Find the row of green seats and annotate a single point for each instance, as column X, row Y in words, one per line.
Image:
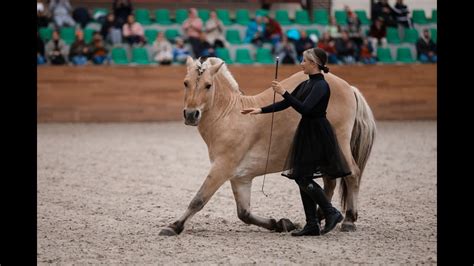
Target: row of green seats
column 410, row 35
column 403, row 55
column 242, row 56
column 139, row 56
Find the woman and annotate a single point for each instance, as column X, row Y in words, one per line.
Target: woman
column 314, row 151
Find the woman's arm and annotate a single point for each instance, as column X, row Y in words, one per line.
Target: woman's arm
column 308, row 104
column 281, row 105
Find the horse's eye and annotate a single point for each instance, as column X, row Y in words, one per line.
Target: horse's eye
column 185, row 84
column 208, row 86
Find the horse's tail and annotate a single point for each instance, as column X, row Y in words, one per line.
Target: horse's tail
column 362, row 139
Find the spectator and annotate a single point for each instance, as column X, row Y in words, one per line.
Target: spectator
column 333, row 28
column 111, row 30
column 81, row 16
column 99, row 52
column 133, row 31
column 40, row 59
column 61, row 10
column 378, row 34
column 426, row 48
column 79, row 52
column 163, row 52
column 215, row 31
column 286, row 51
column 180, row 52
column 56, row 50
column 353, row 26
column 366, row 52
column 192, row 28
column 327, row 43
column 42, row 14
column 255, row 31
column 401, row 12
column 273, row 31
column 205, row 49
column 346, row 48
column 122, row 9
column 382, row 9
column 304, row 43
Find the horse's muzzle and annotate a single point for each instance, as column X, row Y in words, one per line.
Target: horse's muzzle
column 191, row 117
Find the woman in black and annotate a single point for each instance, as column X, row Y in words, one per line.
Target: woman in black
column 314, row 151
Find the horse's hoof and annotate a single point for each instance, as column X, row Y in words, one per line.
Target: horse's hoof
column 285, row 225
column 348, row 227
column 167, row 231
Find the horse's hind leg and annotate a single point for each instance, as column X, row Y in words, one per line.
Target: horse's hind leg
column 242, row 189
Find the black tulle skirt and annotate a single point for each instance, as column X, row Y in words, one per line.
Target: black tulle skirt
column 315, row 149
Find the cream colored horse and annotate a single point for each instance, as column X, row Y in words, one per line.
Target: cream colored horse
column 238, row 143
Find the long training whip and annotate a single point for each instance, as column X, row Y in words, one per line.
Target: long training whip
column 271, row 128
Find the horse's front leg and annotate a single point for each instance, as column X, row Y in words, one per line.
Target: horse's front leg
column 242, row 189
column 214, row 180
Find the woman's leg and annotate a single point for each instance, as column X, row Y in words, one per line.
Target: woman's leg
column 312, row 226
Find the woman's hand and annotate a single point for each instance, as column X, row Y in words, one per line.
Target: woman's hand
column 276, row 86
column 252, row 111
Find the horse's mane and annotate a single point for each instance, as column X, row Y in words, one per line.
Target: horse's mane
column 224, row 71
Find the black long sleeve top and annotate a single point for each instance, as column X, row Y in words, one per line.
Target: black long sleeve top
column 310, row 98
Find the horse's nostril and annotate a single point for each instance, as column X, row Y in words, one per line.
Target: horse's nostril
column 196, row 114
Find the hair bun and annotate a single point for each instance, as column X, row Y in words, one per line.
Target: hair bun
column 325, row 69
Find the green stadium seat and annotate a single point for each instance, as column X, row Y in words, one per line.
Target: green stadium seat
column 261, row 12
column 411, row 36
column 264, row 56
column 233, row 36
column 302, row 17
column 150, row 35
column 362, row 15
column 142, row 16
column 171, row 34
column 392, row 35
column 140, row 56
column 224, row 16
column 281, row 15
column 46, row 34
column 321, row 17
column 68, row 34
column 203, row 14
column 88, row 34
column 242, row 56
column 119, row 56
column 434, row 35
column 419, row 17
column 162, row 17
column 242, row 17
column 341, row 17
column 404, row 55
column 99, row 10
column 384, row 55
column 434, row 16
column 181, row 15
column 224, row 54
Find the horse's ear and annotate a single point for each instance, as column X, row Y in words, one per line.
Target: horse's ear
column 216, row 68
column 189, row 62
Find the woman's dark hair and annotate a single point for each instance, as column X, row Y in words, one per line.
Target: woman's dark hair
column 323, row 58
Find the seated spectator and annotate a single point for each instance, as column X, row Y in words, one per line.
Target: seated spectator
column 99, row 53
column 353, row 26
column 333, row 28
column 79, row 52
column 205, row 49
column 255, row 31
column 133, row 31
column 426, row 49
column 192, row 29
column 273, row 30
column 122, row 9
column 42, row 14
column 400, row 11
column 56, row 50
column 81, row 16
column 61, row 10
column 286, row 51
column 366, row 52
column 378, row 34
column 215, row 31
column 303, row 44
column 40, row 59
column 111, row 30
column 163, row 52
column 346, row 49
column 180, row 52
column 327, row 43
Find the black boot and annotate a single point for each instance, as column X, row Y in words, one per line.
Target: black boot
column 332, row 215
column 312, row 227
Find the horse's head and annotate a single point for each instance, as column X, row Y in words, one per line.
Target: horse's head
column 198, row 89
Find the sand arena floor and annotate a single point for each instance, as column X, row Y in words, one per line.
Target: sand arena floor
column 105, row 190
